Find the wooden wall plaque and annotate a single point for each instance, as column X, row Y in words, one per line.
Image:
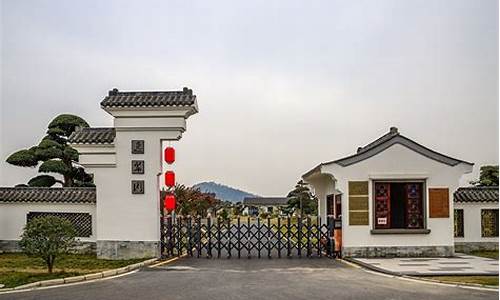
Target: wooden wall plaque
column 358, row 203
column 439, row 203
column 358, row 217
column 358, row 188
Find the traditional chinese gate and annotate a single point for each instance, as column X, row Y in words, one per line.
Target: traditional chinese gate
column 278, row 237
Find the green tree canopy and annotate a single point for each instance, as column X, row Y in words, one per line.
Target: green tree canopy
column 42, row 180
column 301, row 199
column 191, row 201
column 47, row 237
column 55, row 155
column 488, row 176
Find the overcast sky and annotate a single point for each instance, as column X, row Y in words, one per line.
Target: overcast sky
column 281, row 85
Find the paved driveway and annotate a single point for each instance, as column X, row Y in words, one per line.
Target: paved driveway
column 460, row 264
column 254, row 279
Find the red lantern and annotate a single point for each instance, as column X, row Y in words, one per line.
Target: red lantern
column 169, row 155
column 169, row 202
column 169, row 178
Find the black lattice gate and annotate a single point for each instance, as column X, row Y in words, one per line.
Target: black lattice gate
column 278, row 237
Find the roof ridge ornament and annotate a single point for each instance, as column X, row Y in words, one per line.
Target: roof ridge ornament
column 113, row 92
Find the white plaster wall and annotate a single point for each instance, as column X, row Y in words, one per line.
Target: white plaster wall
column 396, row 162
column 472, row 221
column 96, row 154
column 97, row 159
column 167, row 122
column 121, row 215
column 13, row 217
column 322, row 186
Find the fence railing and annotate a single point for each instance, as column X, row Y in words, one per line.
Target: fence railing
column 277, row 237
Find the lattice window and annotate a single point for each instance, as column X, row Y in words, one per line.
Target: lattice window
column 81, row 221
column 459, row 222
column 489, row 222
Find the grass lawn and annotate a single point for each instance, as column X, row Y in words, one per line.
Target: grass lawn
column 487, row 254
column 18, row 269
column 486, row 280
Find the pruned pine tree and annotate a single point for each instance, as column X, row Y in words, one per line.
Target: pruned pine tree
column 55, row 155
column 302, row 200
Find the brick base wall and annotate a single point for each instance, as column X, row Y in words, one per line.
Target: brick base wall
column 400, row 251
column 80, row 248
column 468, row 247
column 127, row 249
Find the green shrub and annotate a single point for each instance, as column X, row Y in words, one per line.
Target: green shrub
column 48, row 237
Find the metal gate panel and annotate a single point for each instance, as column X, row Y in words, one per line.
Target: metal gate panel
column 278, row 237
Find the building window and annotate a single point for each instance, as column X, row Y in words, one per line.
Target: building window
column 81, row 221
column 398, row 205
column 329, row 205
column 459, row 222
column 489, row 222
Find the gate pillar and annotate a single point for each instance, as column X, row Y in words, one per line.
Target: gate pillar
column 126, row 167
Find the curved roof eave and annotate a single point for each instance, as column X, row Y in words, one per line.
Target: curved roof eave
column 402, row 140
column 381, row 144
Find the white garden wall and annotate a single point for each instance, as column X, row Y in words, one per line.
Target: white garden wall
column 472, row 222
column 13, row 217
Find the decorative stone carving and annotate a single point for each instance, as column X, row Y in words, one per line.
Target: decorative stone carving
column 137, row 146
column 137, row 167
column 137, row 186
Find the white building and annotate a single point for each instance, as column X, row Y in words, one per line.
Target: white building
column 126, row 162
column 254, row 206
column 476, row 219
column 394, row 198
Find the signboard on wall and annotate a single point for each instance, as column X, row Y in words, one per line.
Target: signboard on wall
column 358, row 203
column 439, row 203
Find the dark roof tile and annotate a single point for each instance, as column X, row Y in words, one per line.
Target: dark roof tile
column 51, row 195
column 476, row 194
column 116, row 98
column 103, row 135
column 265, row 201
column 384, row 142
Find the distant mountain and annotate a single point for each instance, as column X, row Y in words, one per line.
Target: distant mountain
column 223, row 192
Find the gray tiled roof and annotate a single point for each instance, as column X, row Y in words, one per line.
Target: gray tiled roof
column 476, row 194
column 50, row 195
column 265, row 201
column 387, row 140
column 393, row 131
column 116, row 98
column 103, row 135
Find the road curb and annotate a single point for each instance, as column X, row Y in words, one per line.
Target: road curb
column 459, row 284
column 81, row 278
column 363, row 265
column 371, row 267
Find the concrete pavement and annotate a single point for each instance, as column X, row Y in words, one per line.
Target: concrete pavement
column 294, row 278
column 461, row 264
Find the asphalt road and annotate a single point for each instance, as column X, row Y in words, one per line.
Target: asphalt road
column 246, row 279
